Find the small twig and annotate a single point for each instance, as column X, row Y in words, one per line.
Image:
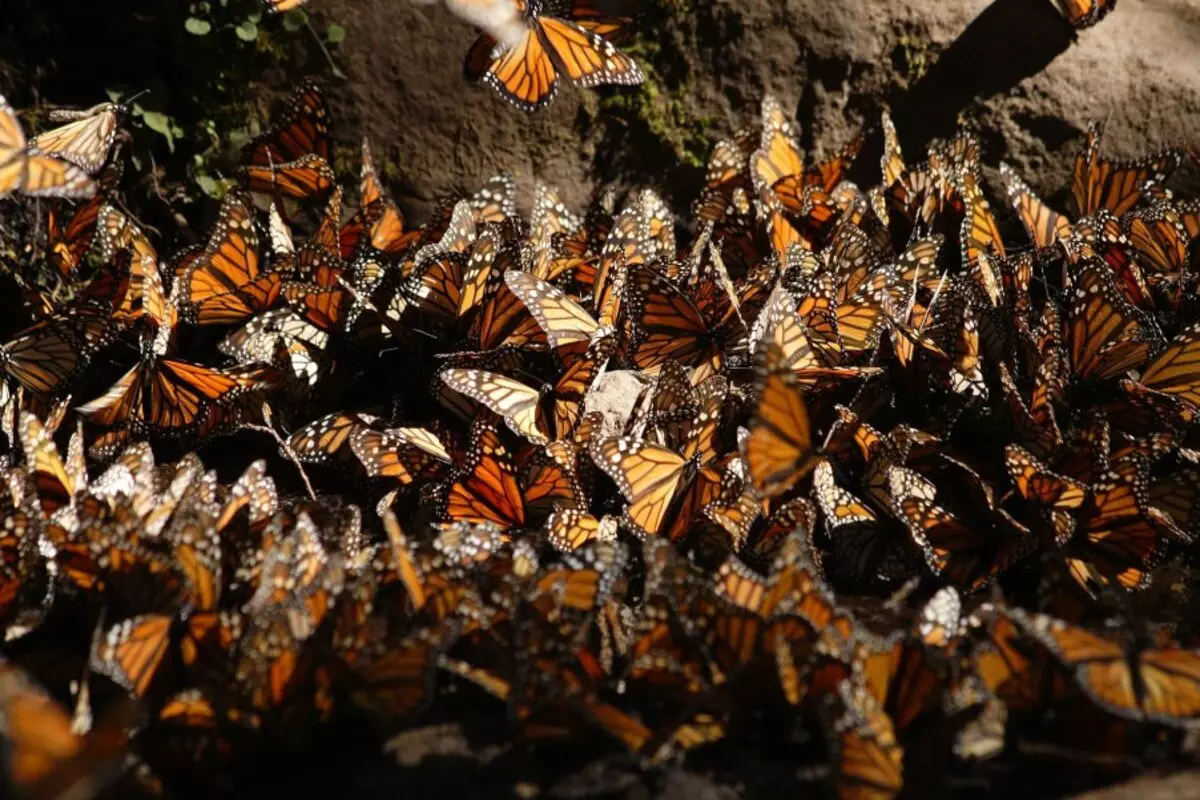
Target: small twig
column 284, row 447
column 337, row 73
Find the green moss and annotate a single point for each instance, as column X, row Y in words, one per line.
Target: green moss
column 666, row 117
column 912, row 58
column 660, row 105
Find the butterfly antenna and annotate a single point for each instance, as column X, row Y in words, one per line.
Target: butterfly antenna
column 127, row 100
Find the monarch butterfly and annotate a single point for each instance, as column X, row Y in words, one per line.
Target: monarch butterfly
column 1036, row 482
column 912, row 191
column 779, row 451
column 175, row 397
column 1160, row 237
column 978, row 234
column 526, row 74
column 1118, row 536
column 253, row 491
column 54, row 482
column 1176, row 495
column 495, row 202
column 485, row 488
column 539, row 417
column 224, row 284
column 116, row 231
column 1085, row 13
column 301, row 130
column 378, row 215
column 735, row 620
column 504, row 321
column 281, row 338
column 1006, row 667
column 18, row 550
column 69, row 244
column 1175, row 371
column 860, row 546
column 641, row 234
column 299, row 579
column 727, row 185
column 577, row 253
column 891, row 163
column 735, row 510
column 582, row 583
column 781, row 327
column 136, row 652
column 1154, row 684
column 667, row 324
column 47, row 355
column 665, row 489
column 405, row 454
column 778, row 164
column 44, row 756
column 436, row 286
column 86, row 139
column 1101, row 236
column 27, row 170
column 797, row 514
column 281, row 6
column 307, row 176
column 1105, row 335
column 399, row 682
column 938, row 622
column 550, row 223
column 569, row 529
column 966, row 376
column 569, row 328
column 672, row 407
column 320, row 441
column 870, row 762
column 1045, row 227
column 1115, row 186
column 968, row 554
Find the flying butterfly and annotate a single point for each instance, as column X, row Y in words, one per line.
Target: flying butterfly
column 527, row 74
column 87, row 138
column 27, row 170
column 1085, row 13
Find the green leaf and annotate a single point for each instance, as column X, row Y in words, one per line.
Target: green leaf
column 196, row 26
column 335, row 34
column 161, row 124
column 247, row 31
column 209, row 185
column 294, row 20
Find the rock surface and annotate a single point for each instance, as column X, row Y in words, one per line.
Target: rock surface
column 1013, row 65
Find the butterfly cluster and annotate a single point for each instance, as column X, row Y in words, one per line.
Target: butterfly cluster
column 890, row 477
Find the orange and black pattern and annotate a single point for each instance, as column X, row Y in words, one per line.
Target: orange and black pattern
column 882, row 474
